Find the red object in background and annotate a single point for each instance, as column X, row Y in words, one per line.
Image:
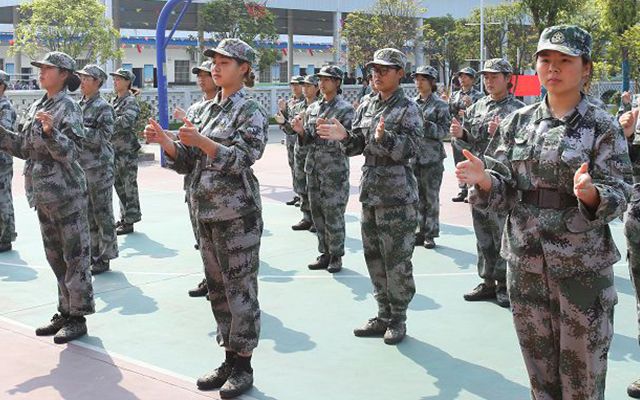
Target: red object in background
column 139, row 48
column 284, row 52
column 525, row 85
column 11, row 42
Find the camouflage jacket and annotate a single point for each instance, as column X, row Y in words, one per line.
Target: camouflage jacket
column 533, row 150
column 325, row 156
column 437, row 120
column 7, row 121
column 456, row 103
column 224, row 187
column 195, row 114
column 289, row 113
column 98, row 117
column 387, row 175
column 596, row 101
column 52, row 173
column 476, row 122
column 125, row 140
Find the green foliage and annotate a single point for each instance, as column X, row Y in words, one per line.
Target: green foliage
column 546, row 13
column 78, row 28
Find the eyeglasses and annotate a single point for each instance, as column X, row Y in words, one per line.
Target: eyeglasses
column 381, row 70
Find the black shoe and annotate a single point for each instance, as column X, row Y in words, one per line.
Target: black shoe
column 481, row 292
column 196, row 246
column 460, row 197
column 303, row 225
column 502, row 297
column 395, row 332
column 375, row 327
column 216, row 378
column 73, row 328
column 293, row 201
column 419, row 239
column 238, row 382
column 124, row 229
column 633, row 390
column 57, row 322
column 313, row 229
column 322, row 262
column 335, row 264
column 118, row 223
column 201, row 290
column 429, row 243
column 99, row 267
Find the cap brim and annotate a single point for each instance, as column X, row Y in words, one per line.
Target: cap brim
column 327, row 75
column 213, row 52
column 562, row 49
column 383, row 63
column 196, row 70
column 493, row 71
column 121, row 76
column 39, row 64
column 413, row 75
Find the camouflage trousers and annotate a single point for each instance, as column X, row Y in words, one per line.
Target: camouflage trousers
column 65, row 234
column 102, row 225
column 565, row 327
column 300, row 179
column 488, row 227
column 328, row 196
column 632, row 233
column 230, row 252
column 388, row 235
column 291, row 161
column 7, row 217
column 126, row 184
column 458, row 157
column 429, row 181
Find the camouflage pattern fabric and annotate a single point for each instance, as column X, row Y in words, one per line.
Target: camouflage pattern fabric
column 632, row 233
column 331, row 71
column 388, row 57
column 234, row 48
column 560, row 278
column 327, row 170
column 124, row 73
column 300, row 151
column 456, row 103
column 126, row 145
column 429, row 166
column 56, row 186
column 568, row 39
column 596, row 101
column 426, row 70
column 497, row 65
column 7, row 216
column 290, row 135
column 97, row 160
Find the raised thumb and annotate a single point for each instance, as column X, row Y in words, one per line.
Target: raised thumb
column 187, row 122
column 469, row 155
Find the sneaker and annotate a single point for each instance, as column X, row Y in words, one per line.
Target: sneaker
column 73, row 328
column 375, row 327
column 633, row 390
column 5, row 247
column 419, row 239
column 460, row 197
column 429, row 243
column 335, row 264
column 502, row 297
column 293, row 201
column 201, row 290
column 481, row 292
column 238, row 382
column 395, row 332
column 57, row 321
column 99, row 267
column 303, row 225
column 322, row 262
column 124, row 229
column 216, row 378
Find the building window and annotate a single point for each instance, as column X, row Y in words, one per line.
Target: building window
column 265, row 75
column 181, row 71
column 128, row 67
column 148, row 75
column 284, row 73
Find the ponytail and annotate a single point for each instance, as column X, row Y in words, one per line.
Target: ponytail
column 249, row 77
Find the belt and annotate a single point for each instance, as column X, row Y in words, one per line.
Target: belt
column 379, row 161
column 548, row 198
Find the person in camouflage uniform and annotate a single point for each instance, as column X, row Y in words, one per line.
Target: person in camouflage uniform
column 327, row 168
column 429, row 166
column 558, row 168
column 458, row 103
column 50, row 140
column 283, row 118
column 226, row 196
column 301, row 149
column 126, row 145
column 96, row 160
column 7, row 218
column 386, row 129
column 479, row 125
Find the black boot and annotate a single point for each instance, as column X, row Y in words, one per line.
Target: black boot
column 293, row 201
column 302, row 225
column 481, row 292
column 429, row 243
column 633, row 390
column 396, row 331
column 201, row 290
column 73, row 328
column 240, row 380
column 335, row 264
column 56, row 323
column 322, row 262
column 375, row 327
column 99, row 266
column 419, row 239
column 216, row 378
column 462, row 196
column 124, row 229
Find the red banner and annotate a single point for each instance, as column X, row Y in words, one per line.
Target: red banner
column 525, row 85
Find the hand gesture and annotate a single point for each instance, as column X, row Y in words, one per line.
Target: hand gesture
column 297, row 125
column 493, row 125
column 46, row 119
column 179, row 113
column 455, row 129
column 331, row 130
column 628, row 122
column 583, row 187
column 461, row 114
column 279, row 118
column 154, row 133
column 472, row 172
column 188, row 134
column 380, row 130
column 282, row 105
column 626, row 97
column 467, row 100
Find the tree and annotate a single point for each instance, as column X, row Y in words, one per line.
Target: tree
column 246, row 20
column 389, row 23
column 78, row 28
column 545, row 13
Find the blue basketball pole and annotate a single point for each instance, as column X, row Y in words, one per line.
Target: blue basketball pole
column 161, row 58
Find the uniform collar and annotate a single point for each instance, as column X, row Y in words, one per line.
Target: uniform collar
column 87, row 100
column 571, row 118
column 45, row 102
column 330, row 103
column 505, row 99
column 399, row 93
column 228, row 103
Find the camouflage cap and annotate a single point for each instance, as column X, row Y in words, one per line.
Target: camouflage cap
column 234, row 48
column 4, row 77
column 310, row 80
column 468, row 71
column 93, row 71
column 56, row 59
column 389, row 57
column 124, row 73
column 497, row 65
column 567, row 39
column 426, row 70
column 205, row 66
column 296, row 80
column 331, row 71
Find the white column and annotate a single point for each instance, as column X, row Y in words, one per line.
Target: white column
column 337, row 50
column 17, row 58
column 419, row 45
